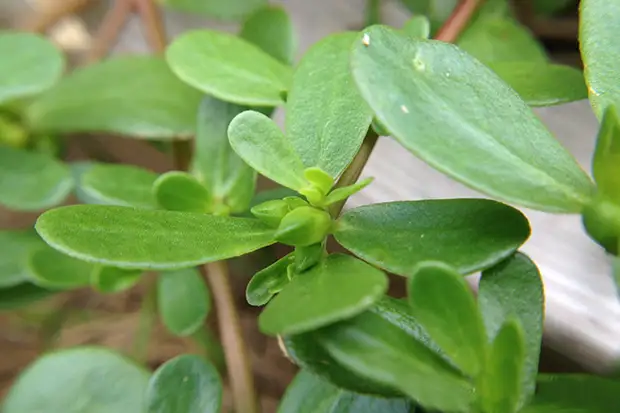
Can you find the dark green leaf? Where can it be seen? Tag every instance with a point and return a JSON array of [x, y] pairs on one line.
[[114, 280], [21, 295], [261, 143], [271, 29], [418, 26], [468, 234], [459, 117], [268, 282], [51, 269], [606, 161], [308, 301], [575, 393], [500, 385], [30, 65], [16, 246], [444, 305], [32, 181], [326, 118], [180, 191], [79, 380], [224, 10], [375, 348], [229, 180], [229, 68], [550, 7], [308, 393], [183, 300], [124, 185], [599, 28], [131, 95], [133, 238], [184, 384], [513, 288], [541, 84]]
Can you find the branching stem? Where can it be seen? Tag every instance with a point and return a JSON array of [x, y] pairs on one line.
[[110, 28], [46, 20]]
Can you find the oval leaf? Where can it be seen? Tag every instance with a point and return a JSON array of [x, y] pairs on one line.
[[308, 301], [418, 26], [326, 118], [143, 239], [541, 84], [459, 117], [32, 181], [260, 142], [271, 29], [113, 280], [131, 95], [269, 281], [228, 68], [185, 384], [375, 348], [443, 303], [183, 300], [17, 245], [124, 185], [31, 64], [179, 191], [79, 380], [224, 10], [599, 27], [468, 234], [51, 269], [308, 393], [514, 288]]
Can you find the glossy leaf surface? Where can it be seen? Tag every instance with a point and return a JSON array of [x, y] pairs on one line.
[[132, 238], [308, 301], [183, 300], [326, 118], [224, 10], [443, 304], [514, 288], [271, 29], [131, 95], [606, 161], [187, 384], [32, 181], [268, 282], [180, 191], [599, 28], [30, 65], [79, 380], [459, 117], [308, 393], [17, 245], [260, 142], [468, 234], [228, 68], [123, 185]]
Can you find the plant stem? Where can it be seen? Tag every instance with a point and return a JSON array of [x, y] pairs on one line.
[[147, 317], [235, 352], [152, 24], [457, 21], [373, 12], [108, 31], [44, 21]]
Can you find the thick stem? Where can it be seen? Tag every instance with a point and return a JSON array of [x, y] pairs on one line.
[[235, 352], [153, 24], [457, 21], [45, 20], [108, 31]]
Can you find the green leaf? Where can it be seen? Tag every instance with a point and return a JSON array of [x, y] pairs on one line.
[[339, 194], [606, 161], [31, 64], [227, 177], [78, 169], [113, 280], [143, 239], [180, 191], [437, 11], [326, 118], [224, 10], [375, 348], [183, 301], [79, 380], [500, 385], [17, 245], [260, 142], [443, 303], [459, 117], [186, 384], [22, 295], [551, 7], [229, 68], [308, 301], [541, 84], [418, 26], [271, 29], [269, 281], [124, 185], [131, 95], [51, 269], [500, 39], [575, 393], [468, 234], [304, 226], [514, 288], [599, 28], [272, 194], [32, 181], [308, 393]]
